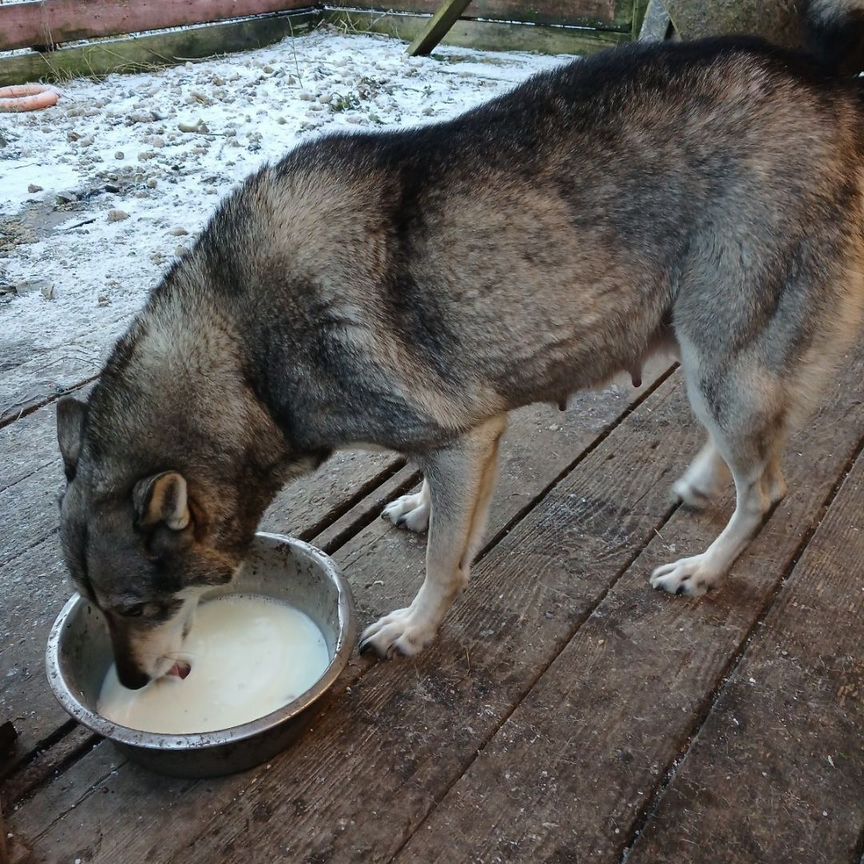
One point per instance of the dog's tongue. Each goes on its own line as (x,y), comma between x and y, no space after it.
(180,669)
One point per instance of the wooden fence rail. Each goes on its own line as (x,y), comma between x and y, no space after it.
(52,22)
(25,25)
(605,14)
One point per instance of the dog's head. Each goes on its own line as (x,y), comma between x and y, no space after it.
(144,548)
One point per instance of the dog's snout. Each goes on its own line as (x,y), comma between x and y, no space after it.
(131,676)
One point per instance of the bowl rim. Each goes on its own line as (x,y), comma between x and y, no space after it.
(205,740)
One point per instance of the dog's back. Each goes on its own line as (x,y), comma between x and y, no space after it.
(538,243)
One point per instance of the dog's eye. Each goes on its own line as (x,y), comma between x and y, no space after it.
(135,611)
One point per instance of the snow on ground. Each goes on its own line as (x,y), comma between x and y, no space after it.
(99,194)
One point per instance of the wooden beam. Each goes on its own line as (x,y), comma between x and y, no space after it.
(656,25)
(50,22)
(640,8)
(437,28)
(134,54)
(482,35)
(605,14)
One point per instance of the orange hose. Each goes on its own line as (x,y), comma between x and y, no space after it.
(27,97)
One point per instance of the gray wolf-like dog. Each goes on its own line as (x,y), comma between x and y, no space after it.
(407,289)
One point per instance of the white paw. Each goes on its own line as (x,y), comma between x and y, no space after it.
(409,511)
(690,495)
(400,632)
(691,576)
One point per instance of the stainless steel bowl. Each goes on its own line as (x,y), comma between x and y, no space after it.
(79,655)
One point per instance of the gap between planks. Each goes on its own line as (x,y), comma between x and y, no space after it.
(15,413)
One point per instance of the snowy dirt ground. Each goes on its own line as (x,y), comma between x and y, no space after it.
(99,194)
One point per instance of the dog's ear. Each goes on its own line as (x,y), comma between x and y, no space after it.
(71,414)
(162,498)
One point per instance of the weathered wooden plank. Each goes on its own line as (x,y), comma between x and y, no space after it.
(26,447)
(11,851)
(383,566)
(68,745)
(50,22)
(337,533)
(777,771)
(656,23)
(437,27)
(483,35)
(32,590)
(614,14)
(153,50)
(568,775)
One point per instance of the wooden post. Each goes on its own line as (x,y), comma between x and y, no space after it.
(656,24)
(441,22)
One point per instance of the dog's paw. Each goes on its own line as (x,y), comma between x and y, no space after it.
(409,511)
(400,632)
(690,576)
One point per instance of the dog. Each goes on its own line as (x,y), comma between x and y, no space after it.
(407,289)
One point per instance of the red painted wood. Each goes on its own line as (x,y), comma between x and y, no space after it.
(49,22)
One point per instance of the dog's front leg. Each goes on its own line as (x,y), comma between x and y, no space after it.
(461,480)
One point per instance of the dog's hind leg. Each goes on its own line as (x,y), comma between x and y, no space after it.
(746,417)
(461,480)
(702,479)
(410,511)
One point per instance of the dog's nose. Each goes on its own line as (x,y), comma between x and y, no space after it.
(131,677)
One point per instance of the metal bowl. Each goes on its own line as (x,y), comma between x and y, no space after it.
(79,655)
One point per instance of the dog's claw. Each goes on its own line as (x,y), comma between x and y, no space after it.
(409,511)
(397,634)
(365,646)
(690,577)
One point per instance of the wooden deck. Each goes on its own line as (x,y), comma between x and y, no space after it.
(567,713)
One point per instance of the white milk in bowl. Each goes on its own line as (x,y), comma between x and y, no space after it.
(249,655)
